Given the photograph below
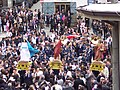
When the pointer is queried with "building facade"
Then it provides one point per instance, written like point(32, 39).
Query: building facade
point(51, 6)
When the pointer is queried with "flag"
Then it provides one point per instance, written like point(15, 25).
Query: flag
point(57, 49)
point(32, 50)
point(72, 36)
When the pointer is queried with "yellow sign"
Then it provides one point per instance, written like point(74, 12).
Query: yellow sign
point(97, 66)
point(23, 65)
point(55, 64)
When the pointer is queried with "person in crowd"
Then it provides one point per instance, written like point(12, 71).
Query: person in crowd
point(77, 53)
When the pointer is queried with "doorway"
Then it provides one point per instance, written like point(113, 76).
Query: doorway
point(62, 7)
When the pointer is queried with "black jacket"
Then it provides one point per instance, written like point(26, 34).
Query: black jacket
point(78, 82)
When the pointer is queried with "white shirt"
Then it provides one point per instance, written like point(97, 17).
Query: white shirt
point(73, 67)
point(0, 21)
point(84, 80)
point(34, 40)
point(40, 73)
point(106, 72)
point(69, 74)
point(57, 87)
point(3, 50)
point(52, 36)
point(107, 40)
point(9, 34)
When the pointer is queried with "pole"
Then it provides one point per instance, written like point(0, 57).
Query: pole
point(41, 3)
point(115, 57)
point(42, 7)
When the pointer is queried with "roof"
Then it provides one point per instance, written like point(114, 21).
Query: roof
point(57, 0)
point(103, 11)
point(102, 7)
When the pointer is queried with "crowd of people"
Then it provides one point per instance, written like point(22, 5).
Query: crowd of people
point(76, 55)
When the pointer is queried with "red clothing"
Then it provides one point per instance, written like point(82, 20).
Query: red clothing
point(57, 49)
point(99, 52)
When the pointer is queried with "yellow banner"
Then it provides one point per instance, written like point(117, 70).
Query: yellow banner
point(97, 66)
point(55, 64)
point(23, 65)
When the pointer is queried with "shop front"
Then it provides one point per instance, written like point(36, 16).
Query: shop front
point(62, 6)
point(53, 7)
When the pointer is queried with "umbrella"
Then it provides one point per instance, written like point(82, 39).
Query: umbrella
point(72, 36)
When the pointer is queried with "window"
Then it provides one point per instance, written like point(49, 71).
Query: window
point(65, 7)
